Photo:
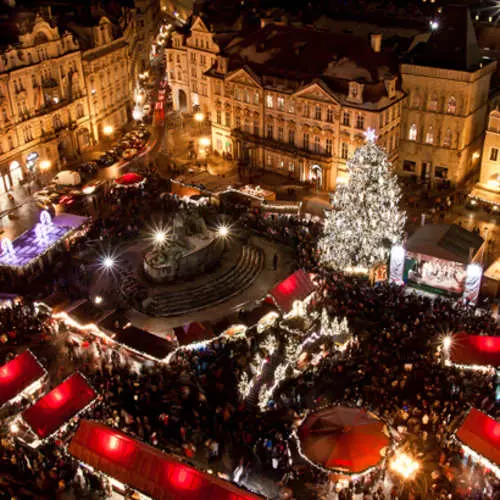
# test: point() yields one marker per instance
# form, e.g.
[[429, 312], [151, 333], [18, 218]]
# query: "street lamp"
[[45, 164], [204, 141], [107, 129], [223, 231], [404, 465], [108, 262], [160, 237]]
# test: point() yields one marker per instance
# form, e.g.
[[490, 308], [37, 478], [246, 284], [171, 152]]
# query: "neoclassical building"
[[445, 114], [292, 100], [44, 114]]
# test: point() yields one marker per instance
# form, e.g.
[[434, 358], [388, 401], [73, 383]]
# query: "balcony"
[[280, 146]]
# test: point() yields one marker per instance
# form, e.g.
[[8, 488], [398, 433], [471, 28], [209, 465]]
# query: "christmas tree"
[[365, 220]]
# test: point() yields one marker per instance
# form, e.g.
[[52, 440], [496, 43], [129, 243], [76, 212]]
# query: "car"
[[93, 186], [67, 178], [129, 153]]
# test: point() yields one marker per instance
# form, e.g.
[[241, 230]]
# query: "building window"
[[328, 147], [269, 161], [346, 119], [307, 110], [281, 134], [291, 107], [433, 103], [317, 112], [269, 101], [247, 96], [228, 119], [281, 104], [329, 115], [452, 105], [410, 166], [493, 154], [291, 137], [236, 93], [193, 71], [256, 98], [193, 57], [269, 131], [429, 137], [11, 142], [306, 142], [344, 151], [179, 76], [291, 167], [412, 133], [219, 117], [171, 57], [360, 121], [441, 172], [178, 58], [217, 88], [255, 128], [238, 121], [447, 139], [79, 111], [317, 144]]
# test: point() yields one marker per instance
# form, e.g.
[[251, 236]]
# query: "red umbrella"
[[345, 439], [129, 179]]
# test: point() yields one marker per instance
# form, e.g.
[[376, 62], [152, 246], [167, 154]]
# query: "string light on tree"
[[365, 220]]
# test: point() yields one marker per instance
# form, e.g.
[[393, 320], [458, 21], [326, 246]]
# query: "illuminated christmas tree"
[[365, 220]]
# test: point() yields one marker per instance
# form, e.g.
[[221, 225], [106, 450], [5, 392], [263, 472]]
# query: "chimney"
[[376, 42]]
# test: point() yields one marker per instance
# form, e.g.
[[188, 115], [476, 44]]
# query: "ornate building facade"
[[292, 100], [44, 113]]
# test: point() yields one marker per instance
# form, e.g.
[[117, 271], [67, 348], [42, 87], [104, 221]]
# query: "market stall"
[[479, 436], [130, 462], [297, 287], [342, 439], [193, 332], [473, 351], [20, 377], [57, 407]]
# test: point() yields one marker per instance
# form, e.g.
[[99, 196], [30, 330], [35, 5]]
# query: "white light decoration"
[[397, 265], [472, 284], [223, 231], [108, 262], [404, 465], [370, 135], [365, 220], [8, 247], [447, 343], [160, 237]]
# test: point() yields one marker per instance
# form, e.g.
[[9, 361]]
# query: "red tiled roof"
[[145, 468], [59, 405], [482, 434], [297, 286], [18, 374], [475, 350]]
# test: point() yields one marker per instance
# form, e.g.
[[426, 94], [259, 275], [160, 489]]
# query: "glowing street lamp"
[[108, 262], [14, 427], [447, 343], [160, 237], [404, 465], [199, 117], [98, 300], [107, 129], [223, 232], [45, 164]]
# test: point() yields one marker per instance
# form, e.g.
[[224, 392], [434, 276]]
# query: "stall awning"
[[18, 374], [445, 241], [482, 434], [145, 468], [298, 286], [475, 350], [59, 405], [195, 331]]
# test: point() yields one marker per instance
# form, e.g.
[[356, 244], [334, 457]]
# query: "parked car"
[[67, 178]]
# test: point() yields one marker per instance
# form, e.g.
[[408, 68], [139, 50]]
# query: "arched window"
[[412, 133], [452, 105], [447, 138], [433, 103], [429, 137]]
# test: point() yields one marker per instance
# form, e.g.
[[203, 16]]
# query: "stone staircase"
[[215, 290]]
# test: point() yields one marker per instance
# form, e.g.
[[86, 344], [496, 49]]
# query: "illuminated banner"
[[472, 283], [397, 264]]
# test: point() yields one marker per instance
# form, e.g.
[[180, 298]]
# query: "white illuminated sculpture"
[[8, 247], [365, 220]]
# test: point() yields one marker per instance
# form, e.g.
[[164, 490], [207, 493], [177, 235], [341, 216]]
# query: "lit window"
[[346, 119], [429, 137], [360, 122], [291, 137], [306, 142], [412, 134], [329, 115], [256, 99], [452, 105], [328, 147], [269, 101], [317, 144], [344, 152], [317, 113], [433, 103], [447, 138], [281, 104]]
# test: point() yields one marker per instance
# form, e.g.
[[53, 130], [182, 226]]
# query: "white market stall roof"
[[445, 241], [493, 272]]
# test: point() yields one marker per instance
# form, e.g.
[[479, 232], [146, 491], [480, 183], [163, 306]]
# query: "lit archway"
[[317, 177]]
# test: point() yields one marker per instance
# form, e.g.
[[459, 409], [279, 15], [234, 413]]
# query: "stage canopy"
[[475, 350], [59, 405], [444, 241], [298, 286], [482, 434], [18, 374], [343, 439], [145, 468]]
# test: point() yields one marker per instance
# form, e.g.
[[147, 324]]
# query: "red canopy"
[[298, 286], [475, 350], [129, 179], [18, 374], [482, 434], [59, 405], [345, 439], [145, 468]]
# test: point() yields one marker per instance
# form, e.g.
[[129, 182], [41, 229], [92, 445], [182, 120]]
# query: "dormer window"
[[390, 87], [355, 92]]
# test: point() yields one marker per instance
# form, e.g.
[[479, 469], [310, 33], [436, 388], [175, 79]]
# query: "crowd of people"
[[191, 406]]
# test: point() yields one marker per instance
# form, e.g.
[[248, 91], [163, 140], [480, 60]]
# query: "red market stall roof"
[[18, 374], [475, 350], [145, 468], [482, 434], [59, 405], [195, 331], [129, 179], [298, 286]]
